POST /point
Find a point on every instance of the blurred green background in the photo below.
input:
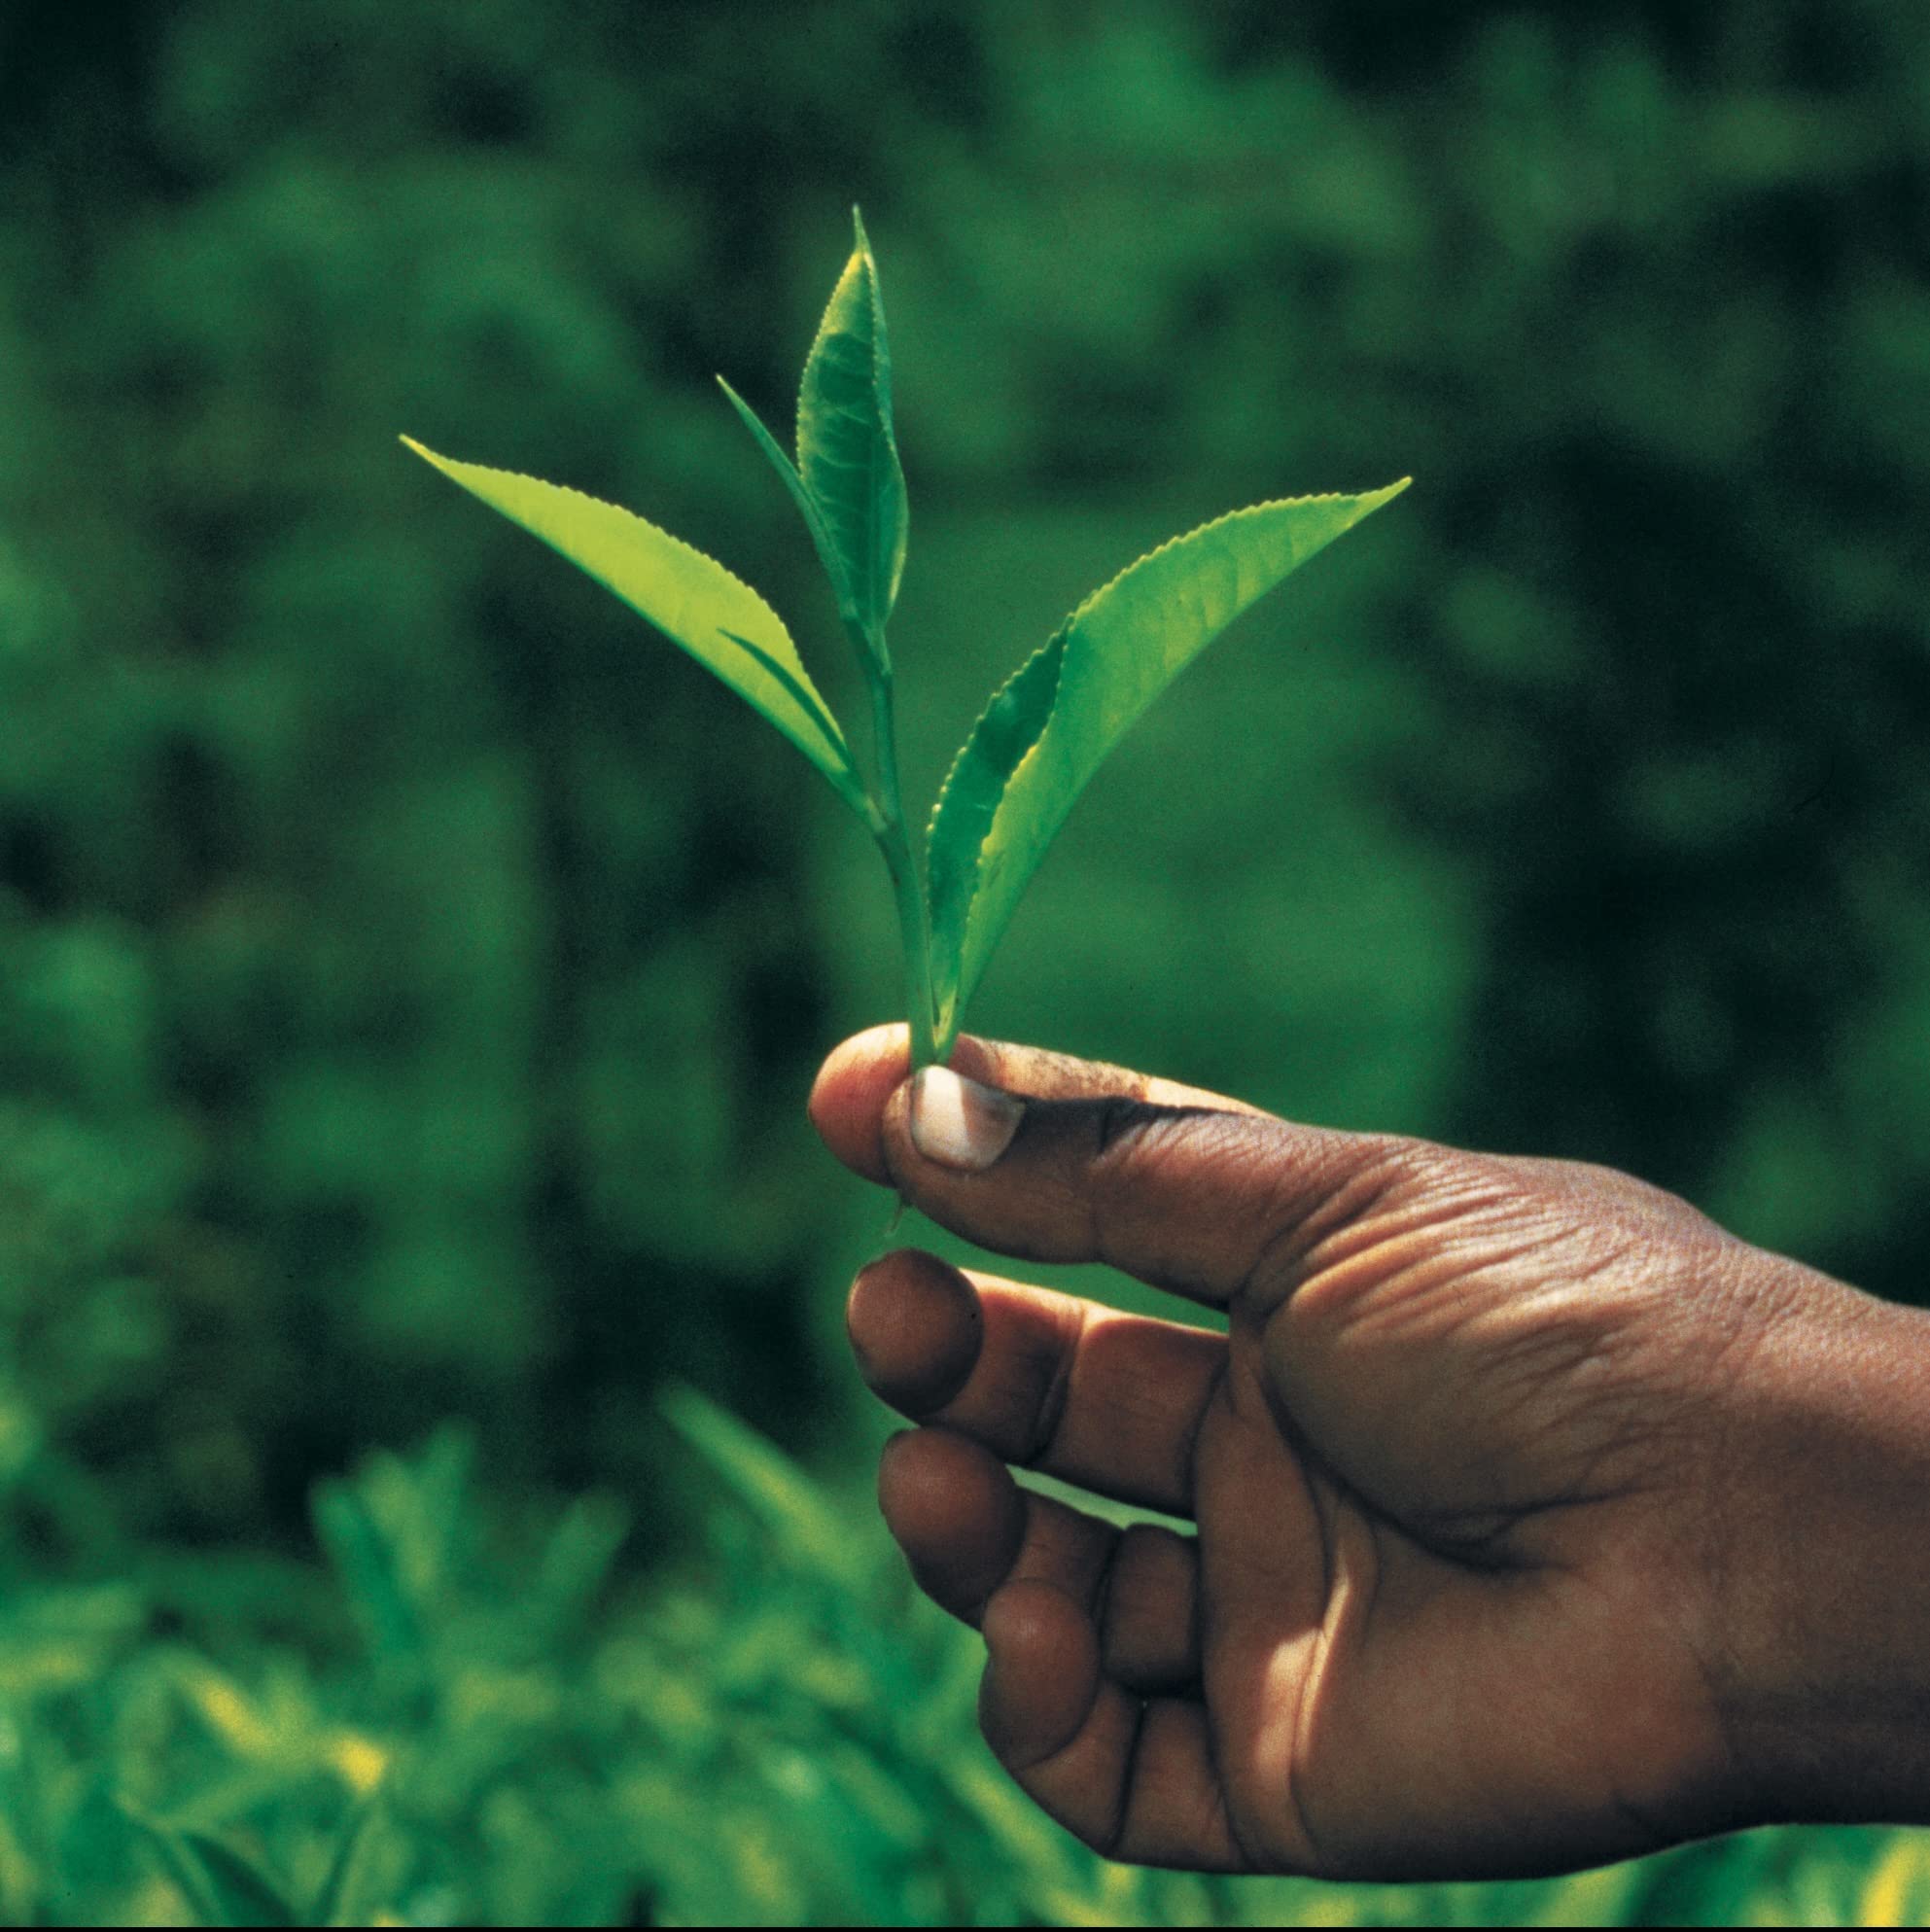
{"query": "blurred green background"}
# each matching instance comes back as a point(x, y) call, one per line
point(411, 970)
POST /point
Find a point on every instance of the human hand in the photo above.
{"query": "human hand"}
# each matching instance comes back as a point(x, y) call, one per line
point(1513, 1481)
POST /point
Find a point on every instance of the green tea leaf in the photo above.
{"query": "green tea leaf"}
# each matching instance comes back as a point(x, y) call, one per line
point(219, 1884)
point(693, 600)
point(962, 858)
point(807, 503)
point(847, 451)
point(1047, 730)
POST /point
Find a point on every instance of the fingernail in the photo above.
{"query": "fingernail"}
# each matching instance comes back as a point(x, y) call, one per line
point(960, 1124)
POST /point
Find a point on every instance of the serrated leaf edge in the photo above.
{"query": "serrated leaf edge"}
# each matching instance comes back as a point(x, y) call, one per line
point(1372, 499)
point(880, 390)
point(862, 259)
point(954, 996)
point(839, 744)
point(1086, 603)
point(807, 503)
point(977, 723)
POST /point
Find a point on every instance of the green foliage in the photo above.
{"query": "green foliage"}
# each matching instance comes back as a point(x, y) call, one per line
point(847, 452)
point(1047, 730)
point(778, 1731)
point(695, 602)
point(338, 1900)
point(222, 1887)
point(807, 508)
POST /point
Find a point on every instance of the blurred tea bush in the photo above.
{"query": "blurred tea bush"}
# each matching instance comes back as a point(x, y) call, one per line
point(776, 1737)
point(411, 970)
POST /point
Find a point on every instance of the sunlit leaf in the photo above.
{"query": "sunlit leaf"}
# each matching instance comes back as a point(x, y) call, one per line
point(691, 598)
point(1044, 734)
point(225, 1707)
point(847, 450)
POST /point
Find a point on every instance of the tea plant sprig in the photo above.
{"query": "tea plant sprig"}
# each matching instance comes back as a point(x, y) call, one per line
point(1045, 730)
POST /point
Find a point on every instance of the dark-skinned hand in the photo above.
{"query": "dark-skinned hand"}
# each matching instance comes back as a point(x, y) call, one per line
point(1524, 1518)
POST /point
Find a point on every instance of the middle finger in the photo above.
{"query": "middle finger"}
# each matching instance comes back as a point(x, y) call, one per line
point(1051, 1381)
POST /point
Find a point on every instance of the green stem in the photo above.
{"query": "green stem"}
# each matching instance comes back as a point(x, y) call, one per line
point(907, 887)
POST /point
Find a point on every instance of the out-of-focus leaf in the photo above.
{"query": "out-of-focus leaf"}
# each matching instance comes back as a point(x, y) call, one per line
point(225, 1707)
point(225, 1887)
point(1897, 1890)
point(335, 1901)
point(578, 1556)
point(687, 596)
point(366, 1562)
point(18, 1878)
point(847, 450)
point(437, 1484)
point(777, 1491)
point(1045, 732)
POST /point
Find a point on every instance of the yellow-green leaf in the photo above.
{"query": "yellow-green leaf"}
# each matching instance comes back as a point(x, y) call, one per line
point(1045, 732)
point(687, 596)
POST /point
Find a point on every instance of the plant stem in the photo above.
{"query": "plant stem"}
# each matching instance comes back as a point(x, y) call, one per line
point(907, 886)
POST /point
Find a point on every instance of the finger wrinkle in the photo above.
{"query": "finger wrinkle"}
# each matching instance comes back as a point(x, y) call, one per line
point(1057, 1546)
point(1050, 1415)
point(1148, 1611)
point(1128, 1776)
point(1189, 1452)
point(1212, 1156)
point(1301, 1224)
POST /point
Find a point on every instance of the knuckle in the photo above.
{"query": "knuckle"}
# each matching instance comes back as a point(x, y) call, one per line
point(1120, 1121)
point(1132, 1134)
point(1143, 1150)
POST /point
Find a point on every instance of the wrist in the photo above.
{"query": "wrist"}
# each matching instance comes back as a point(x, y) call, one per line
point(1825, 1559)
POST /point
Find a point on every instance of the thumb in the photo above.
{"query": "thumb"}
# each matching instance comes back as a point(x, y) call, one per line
point(1186, 1190)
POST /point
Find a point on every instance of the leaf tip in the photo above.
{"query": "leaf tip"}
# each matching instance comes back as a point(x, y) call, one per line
point(1379, 499)
point(427, 454)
